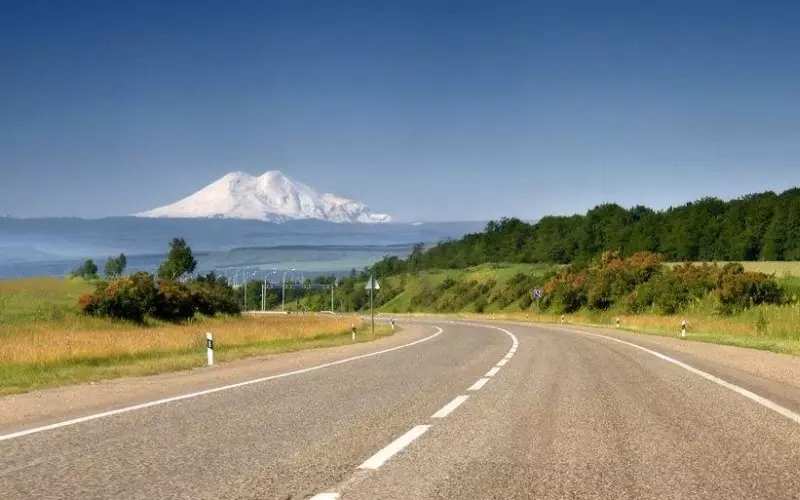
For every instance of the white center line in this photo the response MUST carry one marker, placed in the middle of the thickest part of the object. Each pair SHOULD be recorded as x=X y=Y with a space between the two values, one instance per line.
x=449 y=407
x=394 y=447
x=509 y=355
x=492 y=372
x=87 y=418
x=502 y=362
x=477 y=385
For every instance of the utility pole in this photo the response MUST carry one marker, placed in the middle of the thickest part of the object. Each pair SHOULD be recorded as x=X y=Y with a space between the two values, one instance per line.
x=372 y=307
x=283 y=289
x=333 y=285
x=264 y=291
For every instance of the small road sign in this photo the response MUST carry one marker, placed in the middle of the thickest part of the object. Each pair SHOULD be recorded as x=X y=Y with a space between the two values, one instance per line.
x=536 y=293
x=372 y=284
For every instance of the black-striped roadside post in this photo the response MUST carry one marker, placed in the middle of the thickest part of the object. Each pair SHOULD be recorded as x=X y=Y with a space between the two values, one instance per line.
x=210 y=348
x=683 y=328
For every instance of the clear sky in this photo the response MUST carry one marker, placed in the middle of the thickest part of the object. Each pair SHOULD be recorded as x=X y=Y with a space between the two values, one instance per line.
x=432 y=110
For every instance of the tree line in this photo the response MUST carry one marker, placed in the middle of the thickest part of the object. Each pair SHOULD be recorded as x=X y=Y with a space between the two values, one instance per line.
x=764 y=226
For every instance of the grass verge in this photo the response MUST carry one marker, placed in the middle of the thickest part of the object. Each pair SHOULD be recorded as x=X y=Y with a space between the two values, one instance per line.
x=725 y=331
x=23 y=377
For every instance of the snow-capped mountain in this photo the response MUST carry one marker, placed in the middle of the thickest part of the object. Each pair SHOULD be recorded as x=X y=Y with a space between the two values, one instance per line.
x=271 y=197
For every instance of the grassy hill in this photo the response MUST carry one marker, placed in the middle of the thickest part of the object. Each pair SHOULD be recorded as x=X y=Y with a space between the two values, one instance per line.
x=455 y=290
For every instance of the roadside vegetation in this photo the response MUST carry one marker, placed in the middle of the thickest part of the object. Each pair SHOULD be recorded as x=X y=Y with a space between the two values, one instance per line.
x=83 y=328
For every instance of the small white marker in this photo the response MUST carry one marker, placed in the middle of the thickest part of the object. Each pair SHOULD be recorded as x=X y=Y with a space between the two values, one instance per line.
x=394 y=447
x=449 y=407
x=477 y=385
x=502 y=362
x=325 y=496
x=492 y=372
x=210 y=348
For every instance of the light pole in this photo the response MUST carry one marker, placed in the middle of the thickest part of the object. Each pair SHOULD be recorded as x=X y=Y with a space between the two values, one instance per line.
x=264 y=290
x=283 y=289
x=245 y=278
x=333 y=285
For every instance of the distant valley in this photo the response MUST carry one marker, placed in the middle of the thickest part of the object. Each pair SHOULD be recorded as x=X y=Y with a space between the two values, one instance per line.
x=53 y=246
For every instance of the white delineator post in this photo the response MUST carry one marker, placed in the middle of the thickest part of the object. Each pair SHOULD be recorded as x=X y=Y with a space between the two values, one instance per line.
x=683 y=328
x=562 y=318
x=617 y=322
x=392 y=324
x=210 y=348
x=354 y=332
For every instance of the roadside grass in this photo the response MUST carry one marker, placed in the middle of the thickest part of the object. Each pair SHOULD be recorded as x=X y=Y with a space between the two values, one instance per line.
x=778 y=268
x=18 y=377
x=45 y=341
x=742 y=330
x=40 y=299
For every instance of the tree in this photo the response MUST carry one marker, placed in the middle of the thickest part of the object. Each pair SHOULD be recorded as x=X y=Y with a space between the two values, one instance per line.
x=115 y=266
x=180 y=261
x=87 y=271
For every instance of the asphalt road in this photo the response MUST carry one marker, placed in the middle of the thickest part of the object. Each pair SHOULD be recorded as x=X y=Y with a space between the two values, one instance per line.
x=467 y=414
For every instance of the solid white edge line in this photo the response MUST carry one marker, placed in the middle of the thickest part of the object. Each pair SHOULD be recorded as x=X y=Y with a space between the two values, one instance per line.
x=492 y=372
x=325 y=496
x=449 y=407
x=376 y=460
x=502 y=362
x=87 y=418
x=735 y=388
x=509 y=355
x=478 y=384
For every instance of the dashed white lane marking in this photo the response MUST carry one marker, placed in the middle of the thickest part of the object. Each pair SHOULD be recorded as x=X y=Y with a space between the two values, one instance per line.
x=87 y=418
x=449 y=407
x=397 y=445
x=477 y=385
x=733 y=387
x=394 y=447
x=492 y=372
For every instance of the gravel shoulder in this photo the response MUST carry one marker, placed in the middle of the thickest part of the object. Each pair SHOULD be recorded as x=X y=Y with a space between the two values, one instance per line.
x=48 y=405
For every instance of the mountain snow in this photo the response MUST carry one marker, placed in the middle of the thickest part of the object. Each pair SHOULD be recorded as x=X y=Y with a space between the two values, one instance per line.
x=271 y=197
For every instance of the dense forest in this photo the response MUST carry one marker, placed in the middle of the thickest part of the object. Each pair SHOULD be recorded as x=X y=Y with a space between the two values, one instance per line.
x=763 y=226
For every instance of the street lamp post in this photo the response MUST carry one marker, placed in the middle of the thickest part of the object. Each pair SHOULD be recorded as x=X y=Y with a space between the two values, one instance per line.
x=283 y=289
x=264 y=290
x=245 y=279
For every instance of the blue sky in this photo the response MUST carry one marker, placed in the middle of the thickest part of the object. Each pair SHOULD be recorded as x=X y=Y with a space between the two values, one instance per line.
x=424 y=110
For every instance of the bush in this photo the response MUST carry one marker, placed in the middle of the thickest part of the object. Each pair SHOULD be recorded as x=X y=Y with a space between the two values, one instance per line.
x=174 y=302
x=211 y=298
x=138 y=295
x=130 y=298
x=738 y=290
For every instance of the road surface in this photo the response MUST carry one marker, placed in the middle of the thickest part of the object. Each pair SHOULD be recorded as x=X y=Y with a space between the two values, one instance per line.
x=459 y=411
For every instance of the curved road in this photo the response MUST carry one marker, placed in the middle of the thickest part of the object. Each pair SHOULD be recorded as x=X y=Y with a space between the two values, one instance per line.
x=472 y=411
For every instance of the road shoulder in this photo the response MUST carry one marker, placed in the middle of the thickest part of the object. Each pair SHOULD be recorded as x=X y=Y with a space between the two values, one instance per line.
x=44 y=406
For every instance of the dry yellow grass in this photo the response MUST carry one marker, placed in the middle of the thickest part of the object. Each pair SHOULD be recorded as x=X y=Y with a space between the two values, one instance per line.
x=86 y=338
x=778 y=268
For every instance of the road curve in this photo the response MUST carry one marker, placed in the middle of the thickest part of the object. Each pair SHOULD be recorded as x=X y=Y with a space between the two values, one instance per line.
x=479 y=411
